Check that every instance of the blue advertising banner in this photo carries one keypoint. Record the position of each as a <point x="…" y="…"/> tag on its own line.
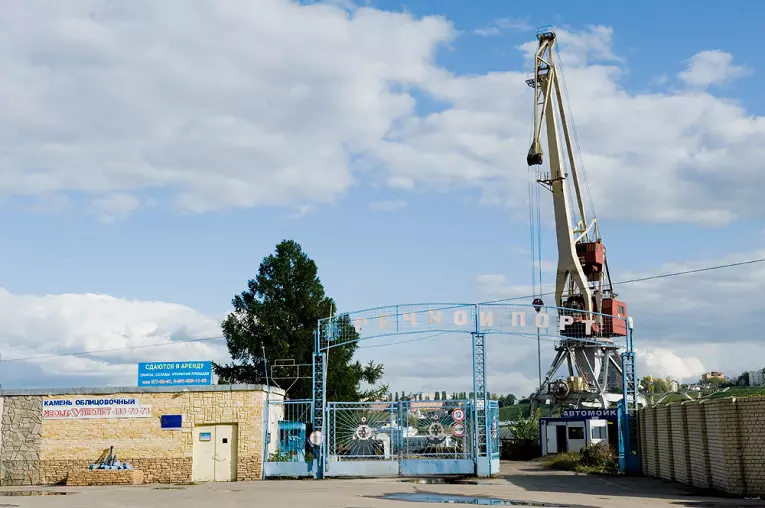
<point x="174" y="373"/>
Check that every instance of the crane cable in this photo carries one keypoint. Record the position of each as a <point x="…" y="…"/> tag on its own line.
<point x="535" y="224"/>
<point x="532" y="202"/>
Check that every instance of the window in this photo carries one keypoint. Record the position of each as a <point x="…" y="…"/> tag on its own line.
<point x="576" y="432"/>
<point x="598" y="433"/>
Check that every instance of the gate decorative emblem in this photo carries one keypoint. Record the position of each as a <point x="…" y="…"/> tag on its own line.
<point x="363" y="432"/>
<point x="436" y="433"/>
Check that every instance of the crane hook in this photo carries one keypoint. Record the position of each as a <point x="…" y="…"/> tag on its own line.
<point x="534" y="157"/>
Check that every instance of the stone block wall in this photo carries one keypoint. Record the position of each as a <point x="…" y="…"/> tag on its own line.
<point x="104" y="477"/>
<point x="724" y="447"/>
<point x="751" y="426"/>
<point x="664" y="442"/>
<point x="698" y="448"/>
<point x="718" y="444"/>
<point x="651" y="450"/>
<point x="678" y="431"/>
<point x="163" y="456"/>
<point x="34" y="450"/>
<point x="20" y="449"/>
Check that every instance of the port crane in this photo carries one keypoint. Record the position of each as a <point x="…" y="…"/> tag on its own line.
<point x="584" y="294"/>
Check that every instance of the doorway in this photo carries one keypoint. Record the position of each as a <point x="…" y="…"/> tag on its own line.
<point x="215" y="453"/>
<point x="561" y="438"/>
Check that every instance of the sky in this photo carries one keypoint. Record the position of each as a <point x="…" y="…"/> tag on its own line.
<point x="152" y="153"/>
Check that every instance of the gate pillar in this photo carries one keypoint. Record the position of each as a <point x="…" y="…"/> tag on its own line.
<point x="318" y="409"/>
<point x="481" y="448"/>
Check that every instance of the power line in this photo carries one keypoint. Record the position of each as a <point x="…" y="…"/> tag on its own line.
<point x="207" y="339"/>
<point x="650" y="277"/>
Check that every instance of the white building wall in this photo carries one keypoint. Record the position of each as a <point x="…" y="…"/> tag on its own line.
<point x="756" y="377"/>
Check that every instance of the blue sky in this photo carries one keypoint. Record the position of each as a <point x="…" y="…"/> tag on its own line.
<point x="119" y="193"/>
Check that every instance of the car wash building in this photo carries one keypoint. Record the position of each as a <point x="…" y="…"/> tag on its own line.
<point x="578" y="428"/>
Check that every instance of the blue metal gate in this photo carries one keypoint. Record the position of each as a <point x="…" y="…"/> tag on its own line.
<point x="494" y="443"/>
<point x="361" y="439"/>
<point x="439" y="438"/>
<point x="399" y="438"/>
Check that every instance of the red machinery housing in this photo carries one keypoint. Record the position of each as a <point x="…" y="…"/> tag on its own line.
<point x="592" y="256"/>
<point x="617" y="309"/>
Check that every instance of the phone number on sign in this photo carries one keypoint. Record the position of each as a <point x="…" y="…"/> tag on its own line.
<point x="100" y="412"/>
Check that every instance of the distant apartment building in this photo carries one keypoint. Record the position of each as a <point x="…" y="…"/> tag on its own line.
<point x="674" y="386"/>
<point x="713" y="376"/>
<point x="757" y="377"/>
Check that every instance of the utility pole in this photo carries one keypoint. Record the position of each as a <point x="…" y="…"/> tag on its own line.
<point x="539" y="356"/>
<point x="537" y="304"/>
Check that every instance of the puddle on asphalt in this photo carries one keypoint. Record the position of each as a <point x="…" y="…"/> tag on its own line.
<point x="170" y="487"/>
<point x="444" y="481"/>
<point x="428" y="497"/>
<point x="34" y="493"/>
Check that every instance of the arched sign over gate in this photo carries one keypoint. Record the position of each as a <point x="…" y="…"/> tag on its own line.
<point x="478" y="417"/>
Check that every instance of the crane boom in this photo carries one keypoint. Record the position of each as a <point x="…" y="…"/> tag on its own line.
<point x="548" y="102"/>
<point x="583" y="288"/>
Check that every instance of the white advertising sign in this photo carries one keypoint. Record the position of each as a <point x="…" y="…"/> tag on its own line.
<point x="76" y="409"/>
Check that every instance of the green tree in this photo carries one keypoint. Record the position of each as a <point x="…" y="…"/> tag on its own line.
<point x="277" y="313"/>
<point x="443" y="395"/>
<point x="396" y="397"/>
<point x="438" y="396"/>
<point x="660" y="386"/>
<point x="648" y="384"/>
<point x="526" y="428"/>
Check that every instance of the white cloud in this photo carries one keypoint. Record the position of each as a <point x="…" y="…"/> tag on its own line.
<point x="507" y="23"/>
<point x="218" y="104"/>
<point x="388" y="206"/>
<point x="113" y="207"/>
<point x="708" y="68"/>
<point x="48" y="325"/>
<point x="679" y="156"/>
<point x="545" y="265"/>
<point x="488" y="31"/>
<point x="578" y="48"/>
<point x="661" y="362"/>
<point x="285" y="104"/>
<point x="430" y="362"/>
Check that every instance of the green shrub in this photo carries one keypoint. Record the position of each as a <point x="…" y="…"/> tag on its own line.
<point x="597" y="458"/>
<point x="564" y="461"/>
<point x="597" y="455"/>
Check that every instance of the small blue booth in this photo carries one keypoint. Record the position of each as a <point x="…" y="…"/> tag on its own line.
<point x="292" y="440"/>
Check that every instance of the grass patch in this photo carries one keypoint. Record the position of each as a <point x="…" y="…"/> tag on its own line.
<point x="738" y="391"/>
<point x="508" y="413"/>
<point x="594" y="459"/>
